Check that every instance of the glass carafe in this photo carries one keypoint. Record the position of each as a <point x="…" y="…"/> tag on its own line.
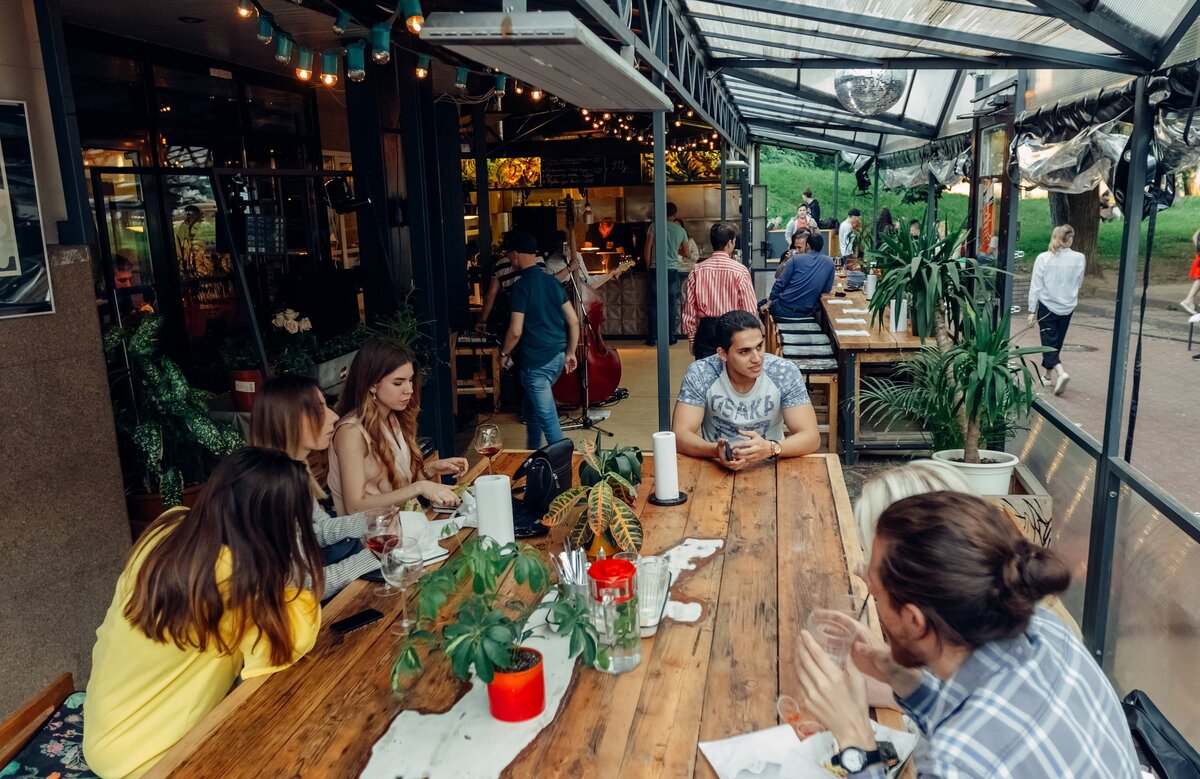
<point x="614" y="607"/>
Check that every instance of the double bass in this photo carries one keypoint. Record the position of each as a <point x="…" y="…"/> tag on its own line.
<point x="599" y="365"/>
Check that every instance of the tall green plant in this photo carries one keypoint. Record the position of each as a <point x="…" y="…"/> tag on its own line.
<point x="976" y="390"/>
<point x="162" y="420"/>
<point x="929" y="273"/>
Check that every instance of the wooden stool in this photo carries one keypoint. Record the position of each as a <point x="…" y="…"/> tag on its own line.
<point x="480" y="384"/>
<point x="829" y="383"/>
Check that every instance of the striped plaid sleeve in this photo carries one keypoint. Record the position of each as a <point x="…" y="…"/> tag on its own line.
<point x="341" y="573"/>
<point x="919" y="704"/>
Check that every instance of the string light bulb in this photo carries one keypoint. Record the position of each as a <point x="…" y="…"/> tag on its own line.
<point x="679" y="123"/>
<point x="607" y="117"/>
<point x="304" y="63"/>
<point x="414" y="18"/>
<point x="381" y="43"/>
<point x="329" y="68"/>
<point x="460" y="78"/>
<point x="266" y="30"/>
<point x="245" y="9"/>
<point x="356" y="68"/>
<point x="536" y="95"/>
<point x="342" y="22"/>
<point x="517" y="88"/>
<point x="583" y="111"/>
<point x="283" y="49"/>
<point x="423" y="66"/>
<point x="501" y="82"/>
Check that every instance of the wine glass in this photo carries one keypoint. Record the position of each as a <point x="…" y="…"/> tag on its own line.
<point x="487" y="442"/>
<point x="381" y="534"/>
<point x="402" y="566"/>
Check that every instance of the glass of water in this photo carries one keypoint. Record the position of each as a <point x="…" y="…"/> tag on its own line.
<point x="402" y="567"/>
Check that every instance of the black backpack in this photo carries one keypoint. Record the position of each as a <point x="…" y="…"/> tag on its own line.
<point x="547" y="474"/>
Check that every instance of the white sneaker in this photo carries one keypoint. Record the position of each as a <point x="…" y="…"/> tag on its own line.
<point x="1194" y="318"/>
<point x="1046" y="380"/>
<point x="1188" y="307"/>
<point x="1061" y="383"/>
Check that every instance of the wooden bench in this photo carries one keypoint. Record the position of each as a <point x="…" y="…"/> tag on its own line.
<point x="17" y="731"/>
<point x="482" y="382"/>
<point x="823" y="384"/>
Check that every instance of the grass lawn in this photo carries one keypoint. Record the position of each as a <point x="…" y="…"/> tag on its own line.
<point x="1173" y="251"/>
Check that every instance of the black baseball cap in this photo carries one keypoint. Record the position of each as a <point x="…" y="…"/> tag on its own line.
<point x="520" y="242"/>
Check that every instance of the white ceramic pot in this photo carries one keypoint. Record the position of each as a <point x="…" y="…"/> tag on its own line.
<point x="985" y="479"/>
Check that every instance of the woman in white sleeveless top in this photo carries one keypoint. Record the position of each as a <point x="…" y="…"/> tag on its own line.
<point x="1053" y="296"/>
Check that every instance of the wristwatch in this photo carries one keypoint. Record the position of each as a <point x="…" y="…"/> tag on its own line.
<point x="776" y="448"/>
<point x="855" y="760"/>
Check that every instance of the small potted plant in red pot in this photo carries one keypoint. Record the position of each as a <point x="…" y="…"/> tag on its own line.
<point x="491" y="636"/>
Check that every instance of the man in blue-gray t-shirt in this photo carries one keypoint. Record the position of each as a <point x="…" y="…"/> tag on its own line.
<point x="755" y="402"/>
<point x="541" y="339"/>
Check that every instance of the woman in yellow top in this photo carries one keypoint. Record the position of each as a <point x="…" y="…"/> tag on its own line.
<point x="208" y="594"/>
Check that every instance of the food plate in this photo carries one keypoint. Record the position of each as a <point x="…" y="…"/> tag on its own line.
<point x="812" y="758"/>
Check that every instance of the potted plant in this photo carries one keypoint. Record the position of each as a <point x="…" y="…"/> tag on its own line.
<point x="927" y="274"/>
<point x="601" y="514"/>
<point x="245" y="373"/>
<point x="625" y="461"/>
<point x="478" y="631"/>
<point x="975" y="391"/>
<point x="290" y="344"/>
<point x="162" y="424"/>
<point x="334" y="357"/>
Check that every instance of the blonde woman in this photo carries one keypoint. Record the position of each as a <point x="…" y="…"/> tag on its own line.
<point x="1053" y="295"/>
<point x="375" y="461"/>
<point x="918" y="478"/>
<point x="290" y="415"/>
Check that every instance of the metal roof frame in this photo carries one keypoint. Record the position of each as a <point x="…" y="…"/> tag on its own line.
<point x="896" y="63"/>
<point x="1101" y="27"/>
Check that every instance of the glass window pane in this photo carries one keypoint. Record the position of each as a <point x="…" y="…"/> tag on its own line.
<point x="129" y="246"/>
<point x="185" y="99"/>
<point x="105" y="85"/>
<point x="1154" y="626"/>
<point x="273" y="110"/>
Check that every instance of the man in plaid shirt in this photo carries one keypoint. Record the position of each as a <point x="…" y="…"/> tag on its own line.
<point x="998" y="686"/>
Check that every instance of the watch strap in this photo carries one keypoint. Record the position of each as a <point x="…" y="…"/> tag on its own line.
<point x="870" y="758"/>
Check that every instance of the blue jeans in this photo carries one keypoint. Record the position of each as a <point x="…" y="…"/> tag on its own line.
<point x="541" y="412"/>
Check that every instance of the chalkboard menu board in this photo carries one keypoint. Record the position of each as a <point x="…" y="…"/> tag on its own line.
<point x="590" y="171"/>
<point x="264" y="234"/>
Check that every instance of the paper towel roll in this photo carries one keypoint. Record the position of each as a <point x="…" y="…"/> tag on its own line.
<point x="666" y="466"/>
<point x="493" y="496"/>
<point x="869" y="285"/>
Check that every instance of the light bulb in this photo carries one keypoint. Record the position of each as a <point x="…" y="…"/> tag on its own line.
<point x="414" y="18"/>
<point x="583" y="111"/>
<point x="266" y="30"/>
<point x="520" y="90"/>
<point x="536" y="95"/>
<point x="460" y="78"/>
<point x="679" y="123"/>
<point x="329" y="68"/>
<point x="691" y="113"/>
<point x="245" y="9"/>
<point x="356" y="69"/>
<point x="283" y="50"/>
<point x="304" y="63"/>
<point x="381" y="43"/>
<point x="342" y="22"/>
<point x="501" y="80"/>
<point x="422" y="66"/>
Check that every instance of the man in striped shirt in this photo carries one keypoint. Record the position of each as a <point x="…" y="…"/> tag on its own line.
<point x="715" y="287"/>
<point x="998" y="685"/>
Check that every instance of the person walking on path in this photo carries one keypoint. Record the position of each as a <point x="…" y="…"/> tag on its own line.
<point x="717" y="286"/>
<point x="1053" y="296"/>
<point x="1189" y="303"/>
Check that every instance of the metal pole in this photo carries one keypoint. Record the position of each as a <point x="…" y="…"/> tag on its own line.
<point x="1010" y="222"/>
<point x="747" y="238"/>
<point x="931" y="206"/>
<point x="875" y="195"/>
<point x="1097" y="588"/>
<point x="837" y="160"/>
<point x="479" y="142"/>
<point x="661" y="302"/>
<point x="724" y="179"/>
<point x="240" y="273"/>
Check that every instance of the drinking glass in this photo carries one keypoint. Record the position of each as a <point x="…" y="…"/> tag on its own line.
<point x="834" y="632"/>
<point x="653" y="583"/>
<point x="487" y="442"/>
<point x="381" y="534"/>
<point x="402" y="567"/>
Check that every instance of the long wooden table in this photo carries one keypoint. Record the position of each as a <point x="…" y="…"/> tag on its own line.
<point x="790" y="543"/>
<point x="880" y="345"/>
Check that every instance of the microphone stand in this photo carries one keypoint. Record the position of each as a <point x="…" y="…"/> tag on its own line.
<point x="585" y="421"/>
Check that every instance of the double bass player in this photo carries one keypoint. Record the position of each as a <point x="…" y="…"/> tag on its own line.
<point x="541" y="339"/>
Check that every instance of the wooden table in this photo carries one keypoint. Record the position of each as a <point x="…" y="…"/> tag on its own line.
<point x="880" y="345"/>
<point x="790" y="541"/>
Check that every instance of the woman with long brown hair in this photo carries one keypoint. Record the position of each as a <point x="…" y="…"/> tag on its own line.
<point x="209" y="594"/>
<point x="290" y="415"/>
<point x="375" y="461"/>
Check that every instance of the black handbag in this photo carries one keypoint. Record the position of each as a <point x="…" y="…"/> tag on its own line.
<point x="1158" y="743"/>
<point x="547" y="474"/>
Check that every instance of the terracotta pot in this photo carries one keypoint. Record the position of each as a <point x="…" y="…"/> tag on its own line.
<point x="245" y="385"/>
<point x="602" y="542"/>
<point x="520" y="696"/>
<point x="146" y="507"/>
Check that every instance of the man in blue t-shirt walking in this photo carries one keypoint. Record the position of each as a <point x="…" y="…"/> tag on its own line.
<point x="541" y="339"/>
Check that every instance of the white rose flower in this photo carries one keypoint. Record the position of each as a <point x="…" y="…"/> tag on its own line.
<point x="278" y="320"/>
<point x="305" y="325"/>
<point x="291" y="326"/>
<point x="291" y="314"/>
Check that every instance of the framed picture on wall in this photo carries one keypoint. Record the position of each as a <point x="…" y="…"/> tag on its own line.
<point x="24" y="271"/>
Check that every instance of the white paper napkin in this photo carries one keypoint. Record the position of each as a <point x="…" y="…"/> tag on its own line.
<point x="862" y="333"/>
<point x="757" y="755"/>
<point x="839" y="302"/>
<point x="857" y="311"/>
<point x="806" y="759"/>
<point x="850" y="321"/>
<point x="427" y="532"/>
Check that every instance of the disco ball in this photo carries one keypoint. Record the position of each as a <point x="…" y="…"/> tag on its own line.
<point x="869" y="91"/>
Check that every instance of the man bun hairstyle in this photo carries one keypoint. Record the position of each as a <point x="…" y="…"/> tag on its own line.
<point x="721" y="234"/>
<point x="964" y="564"/>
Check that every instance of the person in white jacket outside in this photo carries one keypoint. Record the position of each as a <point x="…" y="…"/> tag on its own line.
<point x="1053" y="296"/>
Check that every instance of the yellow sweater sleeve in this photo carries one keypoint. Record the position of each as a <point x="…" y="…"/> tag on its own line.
<point x="304" y="618"/>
